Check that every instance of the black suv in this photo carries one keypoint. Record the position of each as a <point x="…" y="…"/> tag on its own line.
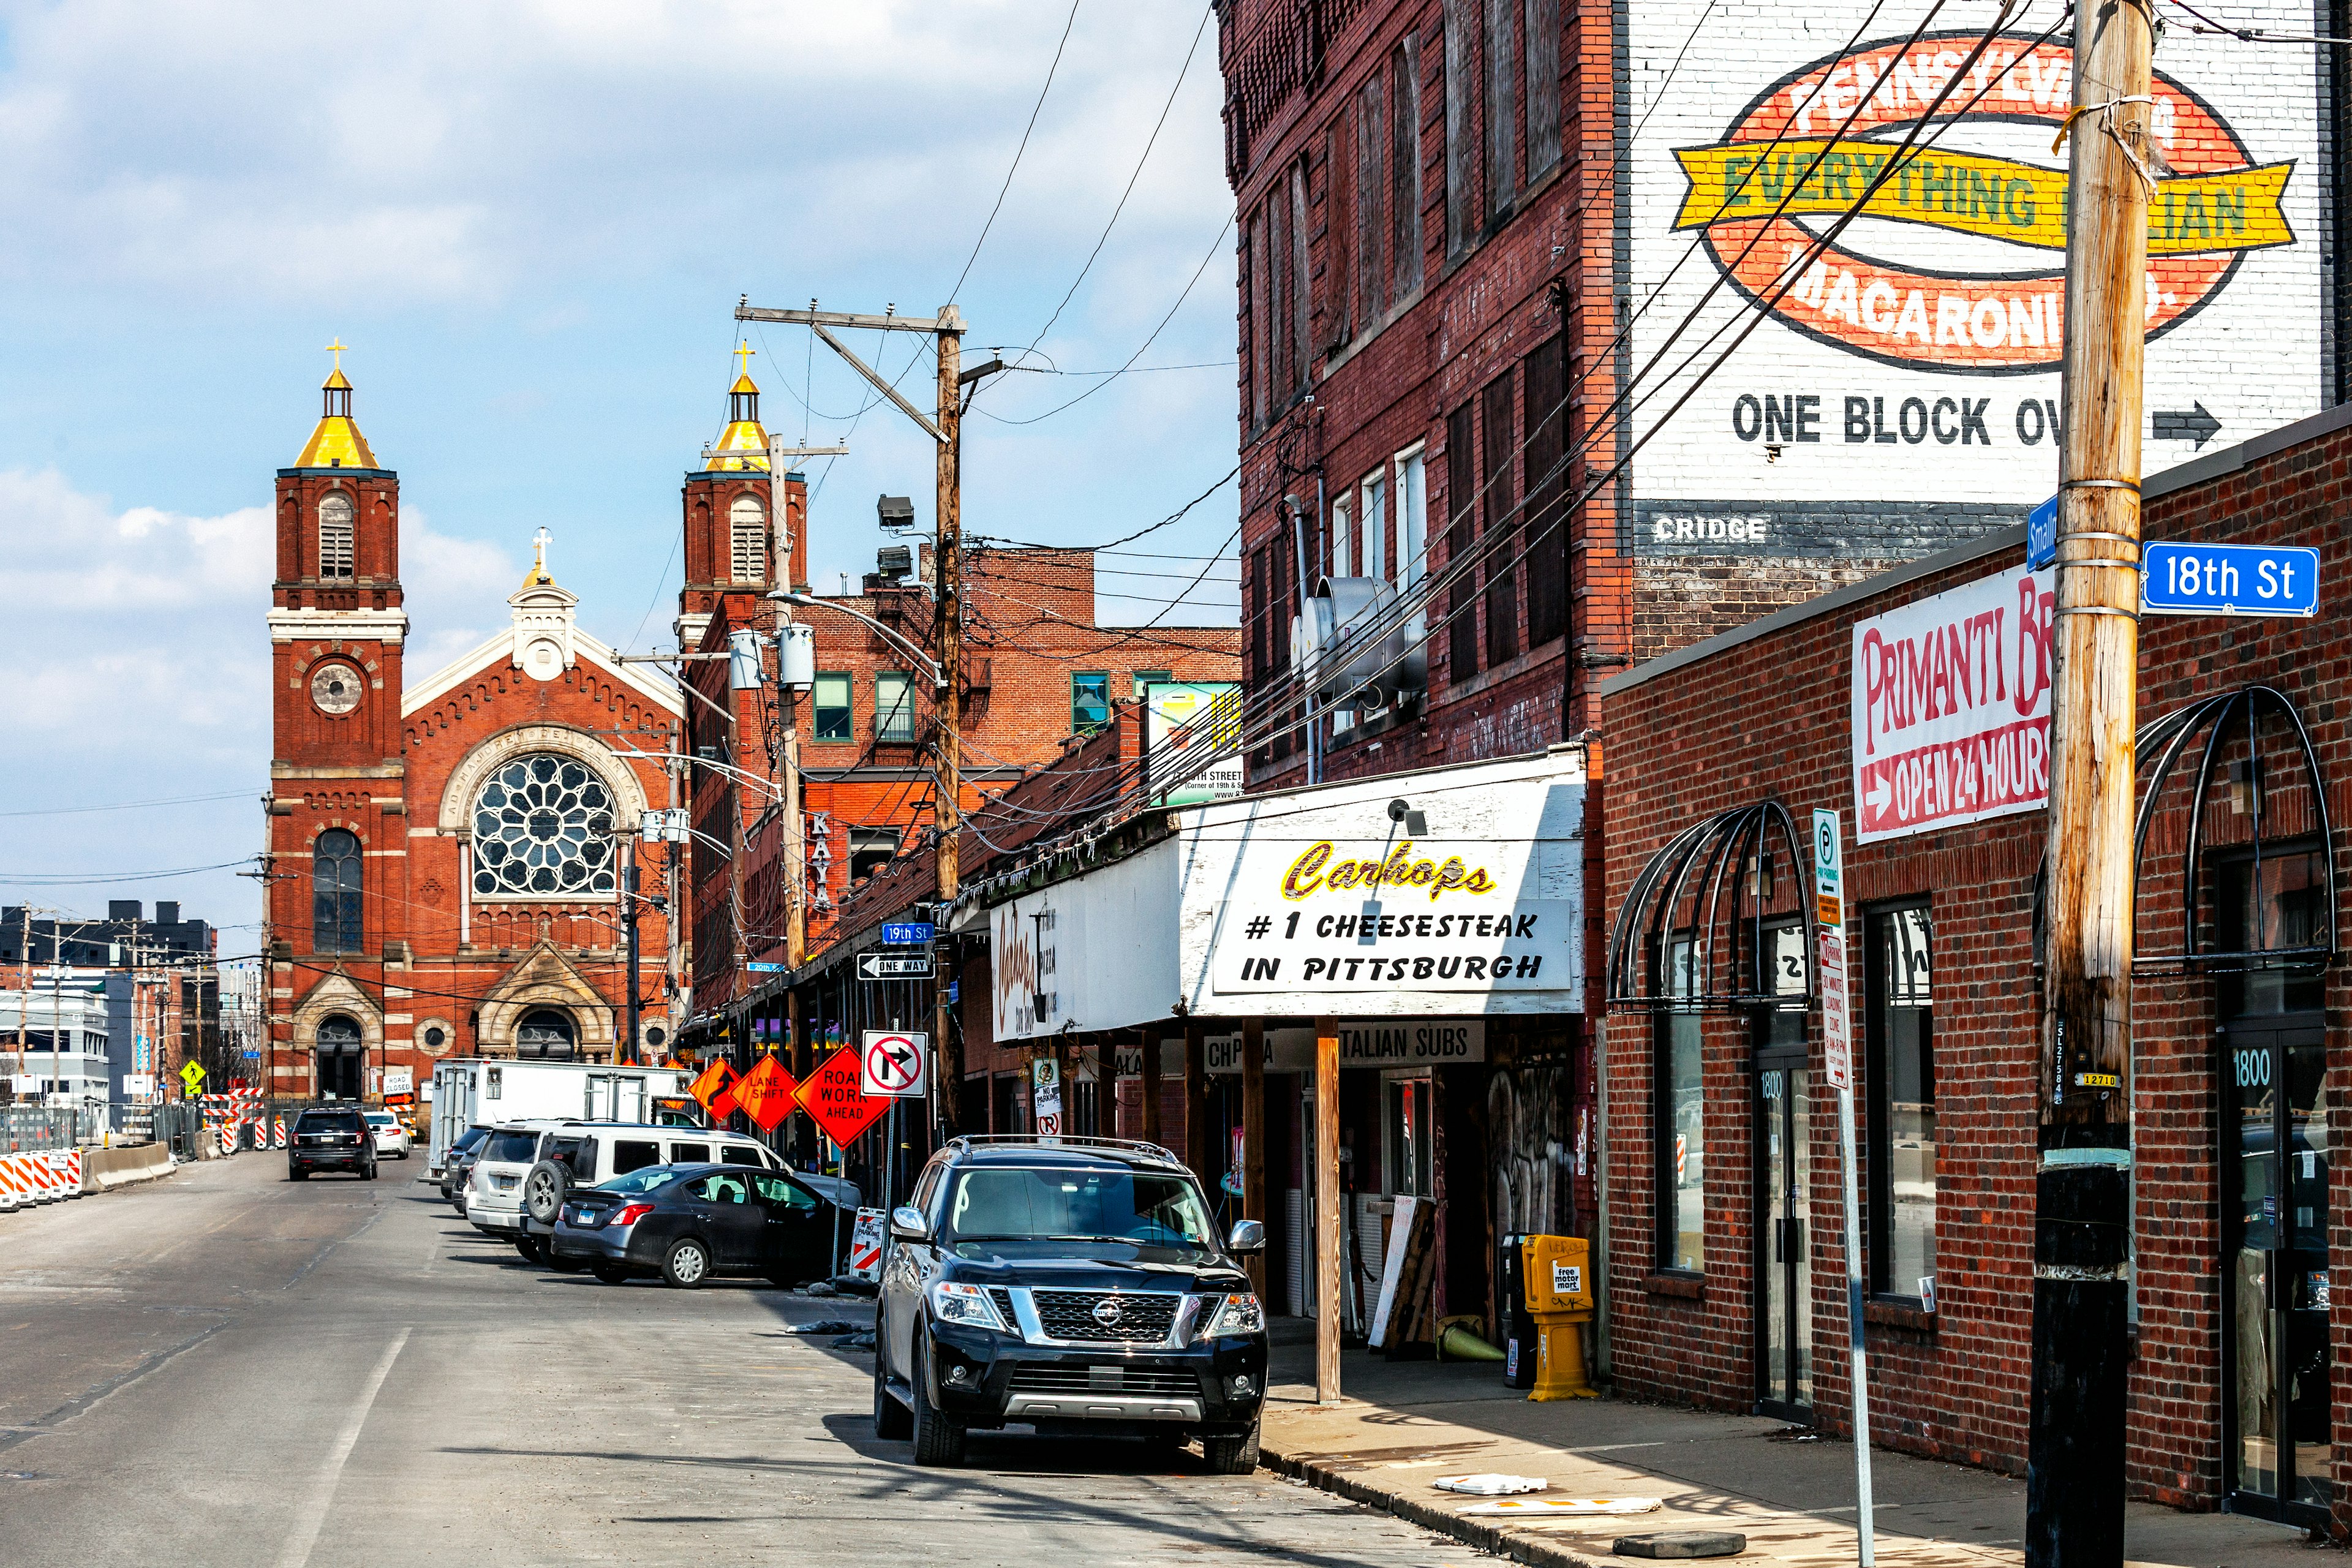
<point x="1076" y="1286"/>
<point x="330" y="1137"/>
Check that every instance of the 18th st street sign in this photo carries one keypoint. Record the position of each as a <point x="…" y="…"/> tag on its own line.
<point x="2230" y="580"/>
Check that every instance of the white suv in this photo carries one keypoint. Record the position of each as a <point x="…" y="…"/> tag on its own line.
<point x="527" y="1168"/>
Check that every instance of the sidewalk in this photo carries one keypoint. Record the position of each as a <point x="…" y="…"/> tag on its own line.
<point x="1406" y="1423"/>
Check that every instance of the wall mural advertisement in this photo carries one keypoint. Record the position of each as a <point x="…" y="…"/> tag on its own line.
<point x="1904" y="393"/>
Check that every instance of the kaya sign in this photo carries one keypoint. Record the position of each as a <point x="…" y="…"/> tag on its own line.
<point x="1902" y="392"/>
<point x="1951" y="707"/>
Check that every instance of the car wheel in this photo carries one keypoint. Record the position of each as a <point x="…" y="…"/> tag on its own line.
<point x="1232" y="1456"/>
<point x="687" y="1264"/>
<point x="529" y="1248"/>
<point x="892" y="1421"/>
<point x="937" y="1440"/>
<point x="545" y="1188"/>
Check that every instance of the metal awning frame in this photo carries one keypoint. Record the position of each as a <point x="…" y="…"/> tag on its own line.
<point x="1702" y="859"/>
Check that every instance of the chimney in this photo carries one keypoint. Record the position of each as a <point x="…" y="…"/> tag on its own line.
<point x="167" y="914"/>
<point x="122" y="908"/>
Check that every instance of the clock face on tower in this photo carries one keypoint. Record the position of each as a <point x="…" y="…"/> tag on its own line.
<point x="335" y="688"/>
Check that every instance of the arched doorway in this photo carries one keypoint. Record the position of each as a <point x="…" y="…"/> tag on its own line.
<point x="545" y="1035"/>
<point x="342" y="1058"/>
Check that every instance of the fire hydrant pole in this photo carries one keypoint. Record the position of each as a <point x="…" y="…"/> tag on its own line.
<point x="2082" y="1222"/>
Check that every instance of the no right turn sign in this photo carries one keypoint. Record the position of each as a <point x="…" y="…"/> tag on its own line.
<point x="894" y="1065"/>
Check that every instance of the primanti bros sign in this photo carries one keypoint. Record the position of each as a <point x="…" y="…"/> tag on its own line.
<point x="1951" y="707"/>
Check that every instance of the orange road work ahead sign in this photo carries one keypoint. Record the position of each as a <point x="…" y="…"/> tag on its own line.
<point x="713" y="1087"/>
<point x="834" y="1100"/>
<point x="765" y="1094"/>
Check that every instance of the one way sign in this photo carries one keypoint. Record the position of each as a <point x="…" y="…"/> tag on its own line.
<point x="892" y="1064"/>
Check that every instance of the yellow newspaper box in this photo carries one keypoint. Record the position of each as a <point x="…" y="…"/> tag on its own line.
<point x="1559" y="1275"/>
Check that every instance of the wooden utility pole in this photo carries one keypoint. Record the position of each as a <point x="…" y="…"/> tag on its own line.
<point x="1329" y="1314"/>
<point x="2083" y="1222"/>
<point x="948" y="604"/>
<point x="947" y="330"/>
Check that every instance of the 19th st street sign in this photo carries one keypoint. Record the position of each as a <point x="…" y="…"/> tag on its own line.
<point x="2230" y="580"/>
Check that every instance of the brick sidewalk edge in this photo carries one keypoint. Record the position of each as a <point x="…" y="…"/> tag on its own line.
<point x="1477" y="1532"/>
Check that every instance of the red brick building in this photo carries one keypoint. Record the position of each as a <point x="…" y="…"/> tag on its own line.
<point x="1725" y="1267"/>
<point x="1037" y="671"/>
<point x="443" y="854"/>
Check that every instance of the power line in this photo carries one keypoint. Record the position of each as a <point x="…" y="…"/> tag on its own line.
<point x="1153" y="141"/>
<point x="1017" y="152"/>
<point x="133" y="805"/>
<point x="76" y="879"/>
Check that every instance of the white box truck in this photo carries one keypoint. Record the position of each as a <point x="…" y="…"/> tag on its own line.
<point x="470" y="1091"/>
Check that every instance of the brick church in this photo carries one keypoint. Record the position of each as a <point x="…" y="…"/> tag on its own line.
<point x="446" y="853"/>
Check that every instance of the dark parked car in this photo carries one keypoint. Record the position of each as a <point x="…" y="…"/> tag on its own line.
<point x="458" y="1163"/>
<point x="330" y="1137"/>
<point x="1077" y="1287"/>
<point x="687" y="1223"/>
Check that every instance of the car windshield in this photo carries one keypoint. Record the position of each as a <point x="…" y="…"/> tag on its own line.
<point x="328" y="1122"/>
<point x="516" y="1148"/>
<point x="1046" y="1210"/>
<point x="474" y="1135"/>
<point x="641" y="1181"/>
<point x="381" y="1117"/>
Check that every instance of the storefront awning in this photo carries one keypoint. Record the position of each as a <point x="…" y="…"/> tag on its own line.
<point x="1717" y="920"/>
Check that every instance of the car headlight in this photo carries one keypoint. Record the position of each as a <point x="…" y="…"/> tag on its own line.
<point x="1240" y="1314"/>
<point x="954" y="1303"/>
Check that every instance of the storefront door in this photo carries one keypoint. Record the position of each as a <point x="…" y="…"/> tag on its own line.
<point x="1784" y="1319"/>
<point x="2275" y="1291"/>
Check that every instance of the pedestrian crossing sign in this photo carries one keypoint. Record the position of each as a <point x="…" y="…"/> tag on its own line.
<point x="193" y="1076"/>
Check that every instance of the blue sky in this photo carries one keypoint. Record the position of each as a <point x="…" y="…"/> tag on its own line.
<point x="531" y="222"/>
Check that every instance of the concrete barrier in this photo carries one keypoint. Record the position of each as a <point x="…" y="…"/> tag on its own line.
<point x="103" y="1170"/>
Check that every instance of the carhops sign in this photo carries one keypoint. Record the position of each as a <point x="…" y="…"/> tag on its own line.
<point x="1904" y="390"/>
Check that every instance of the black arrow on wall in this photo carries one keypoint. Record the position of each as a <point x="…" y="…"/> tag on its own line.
<point x="2194" y="426"/>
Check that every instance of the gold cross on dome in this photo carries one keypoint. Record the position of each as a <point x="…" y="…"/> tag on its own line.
<point x="337" y="348"/>
<point x="744" y="359"/>
<point x="539" y="552"/>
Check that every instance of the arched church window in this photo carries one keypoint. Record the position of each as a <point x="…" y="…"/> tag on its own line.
<point x="336" y="880"/>
<point x="545" y="1036"/>
<point x="747" y="530"/>
<point x="335" y="537"/>
<point x="543" y="826"/>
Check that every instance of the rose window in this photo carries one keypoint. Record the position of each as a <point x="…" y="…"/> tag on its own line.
<point x="543" y="826"/>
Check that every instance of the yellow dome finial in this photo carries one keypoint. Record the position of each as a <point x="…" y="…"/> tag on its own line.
<point x="537" y="576"/>
<point x="743" y="444"/>
<point x="337" y="442"/>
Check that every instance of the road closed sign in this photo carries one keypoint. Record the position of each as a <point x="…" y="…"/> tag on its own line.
<point x="894" y="1065"/>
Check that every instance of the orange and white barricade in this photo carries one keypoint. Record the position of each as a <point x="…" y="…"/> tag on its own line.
<point x="278" y="1134"/>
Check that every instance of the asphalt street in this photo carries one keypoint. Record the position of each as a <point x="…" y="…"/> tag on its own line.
<point x="227" y="1368"/>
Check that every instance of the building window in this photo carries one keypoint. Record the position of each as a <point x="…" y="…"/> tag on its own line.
<point x="1542" y="88"/>
<point x="870" y="849"/>
<point x="1461" y="507"/>
<point x="1342" y="538"/>
<point x="1546" y="490"/>
<point x="832" y="703"/>
<point x="1499" y="541"/>
<point x="543" y="826"/>
<point x="1256" y="329"/>
<point x="335" y="547"/>
<point x="1404" y="167"/>
<point x="336" y="874"/>
<point x="1412" y="516"/>
<point x="1500" y="110"/>
<point x="894" y="707"/>
<point x="1144" y="678"/>
<point x="1371" y="150"/>
<point x="747" y="540"/>
<point x="1372" y="522"/>
<point x="1682" y="1144"/>
<point x="1301" y="349"/>
<point x="1900" y="1074"/>
<point x="1089" y="701"/>
<point x="1461" y="120"/>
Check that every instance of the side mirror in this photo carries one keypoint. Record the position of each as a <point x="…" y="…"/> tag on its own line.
<point x="907" y="1224"/>
<point x="1249" y="1235"/>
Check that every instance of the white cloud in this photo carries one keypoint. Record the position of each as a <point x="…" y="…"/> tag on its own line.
<point x="138" y="668"/>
